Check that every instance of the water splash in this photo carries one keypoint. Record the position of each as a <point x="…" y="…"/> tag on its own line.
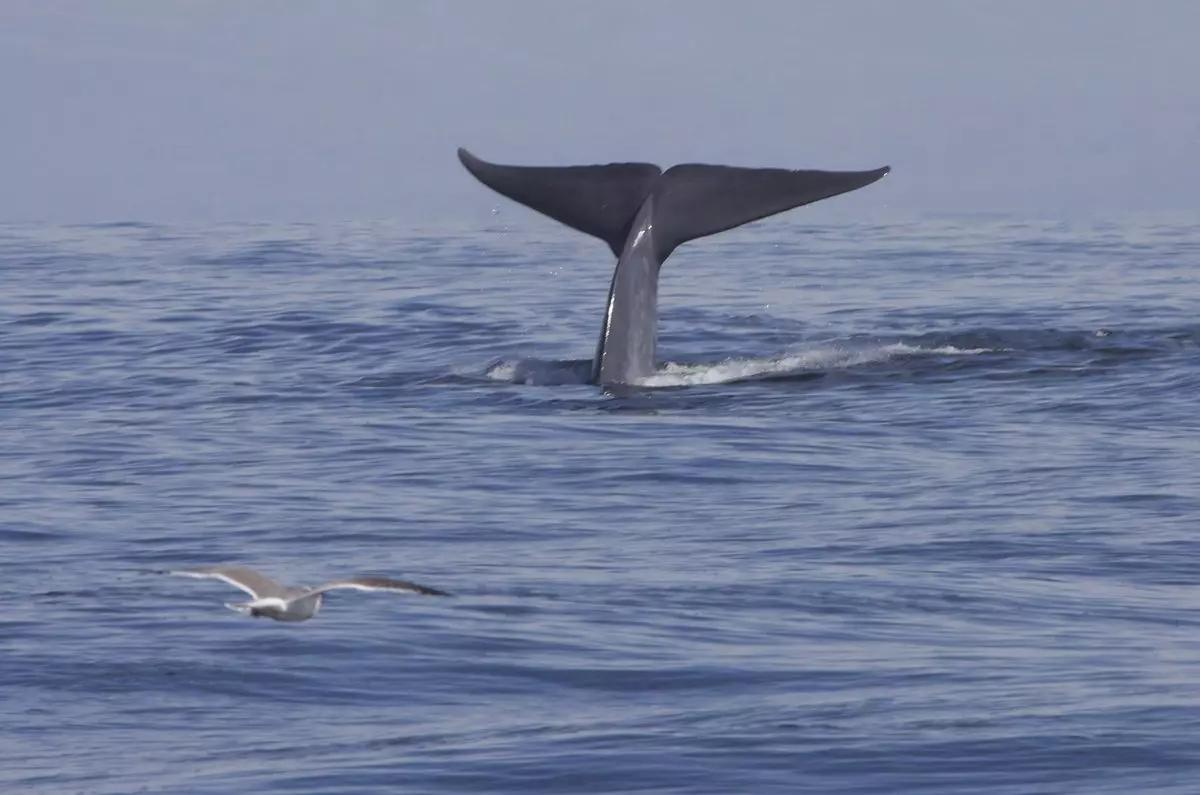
<point x="834" y="357"/>
<point x="541" y="372"/>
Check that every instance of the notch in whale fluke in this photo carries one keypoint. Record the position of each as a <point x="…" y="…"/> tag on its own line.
<point x="692" y="200"/>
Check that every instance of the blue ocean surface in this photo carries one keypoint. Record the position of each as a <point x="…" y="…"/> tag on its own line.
<point x="909" y="507"/>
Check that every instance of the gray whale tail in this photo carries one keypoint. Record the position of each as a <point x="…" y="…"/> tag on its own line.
<point x="644" y="213"/>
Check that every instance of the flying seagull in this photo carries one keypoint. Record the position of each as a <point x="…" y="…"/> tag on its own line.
<point x="285" y="603"/>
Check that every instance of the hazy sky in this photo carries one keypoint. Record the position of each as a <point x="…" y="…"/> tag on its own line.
<point x="351" y="109"/>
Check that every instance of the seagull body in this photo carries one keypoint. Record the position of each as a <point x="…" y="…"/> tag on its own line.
<point x="269" y="599"/>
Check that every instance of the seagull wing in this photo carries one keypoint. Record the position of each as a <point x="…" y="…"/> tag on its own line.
<point x="248" y="580"/>
<point x="379" y="584"/>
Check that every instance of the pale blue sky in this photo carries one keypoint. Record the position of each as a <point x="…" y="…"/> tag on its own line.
<point x="291" y="110"/>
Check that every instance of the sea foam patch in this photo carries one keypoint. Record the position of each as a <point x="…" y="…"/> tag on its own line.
<point x="814" y="360"/>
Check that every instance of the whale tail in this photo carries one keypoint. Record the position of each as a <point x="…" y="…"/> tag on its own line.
<point x="643" y="214"/>
<point x="691" y="200"/>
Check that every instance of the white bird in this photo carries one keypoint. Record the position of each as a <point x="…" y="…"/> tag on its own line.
<point x="286" y="603"/>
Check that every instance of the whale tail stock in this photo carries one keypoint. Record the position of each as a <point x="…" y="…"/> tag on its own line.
<point x="690" y="201"/>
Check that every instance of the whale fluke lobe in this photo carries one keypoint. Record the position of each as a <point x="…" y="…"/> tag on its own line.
<point x="597" y="200"/>
<point x="644" y="214"/>
<point x="695" y="200"/>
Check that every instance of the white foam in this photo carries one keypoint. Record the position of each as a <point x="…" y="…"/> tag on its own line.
<point x="539" y="372"/>
<point x="504" y="371"/>
<point x="829" y="358"/>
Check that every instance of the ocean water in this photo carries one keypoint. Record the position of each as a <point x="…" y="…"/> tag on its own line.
<point x="909" y="507"/>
